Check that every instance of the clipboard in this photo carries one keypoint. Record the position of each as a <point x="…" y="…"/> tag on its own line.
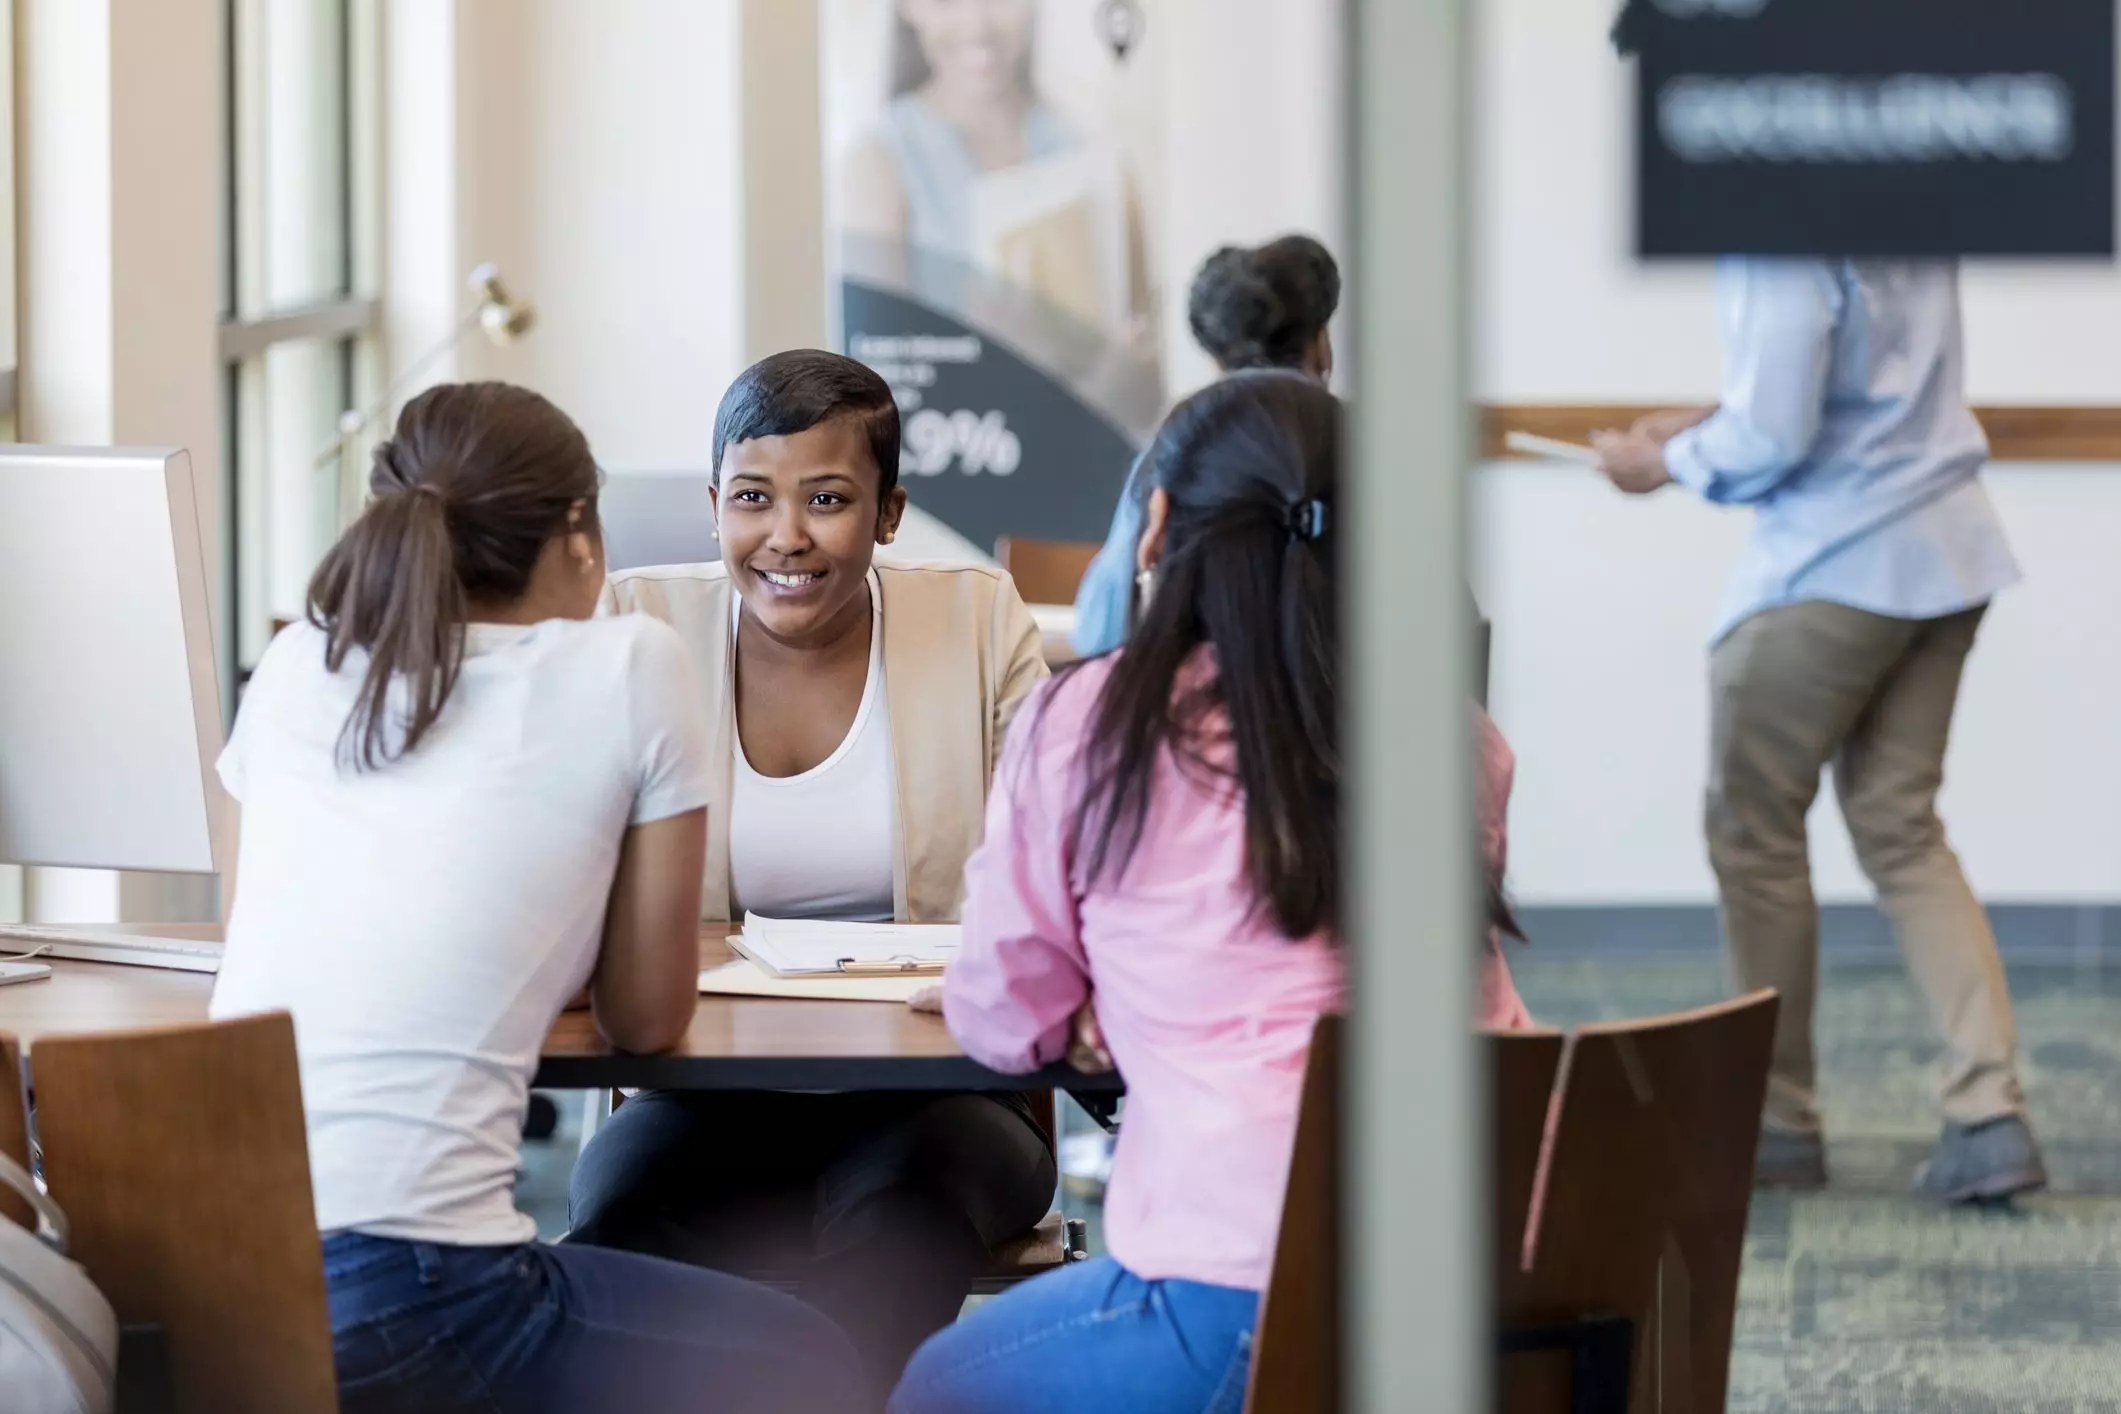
<point x="797" y="950"/>
<point x="840" y="967"/>
<point x="743" y="978"/>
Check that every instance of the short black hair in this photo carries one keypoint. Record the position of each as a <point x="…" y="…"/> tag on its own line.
<point x="1264" y="307"/>
<point x="792" y="392"/>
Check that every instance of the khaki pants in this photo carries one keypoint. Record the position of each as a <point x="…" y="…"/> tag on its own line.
<point x="1792" y="691"/>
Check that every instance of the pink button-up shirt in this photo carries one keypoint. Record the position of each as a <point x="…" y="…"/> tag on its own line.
<point x="1206" y="1007"/>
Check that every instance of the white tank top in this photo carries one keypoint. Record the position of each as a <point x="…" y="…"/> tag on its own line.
<point x="819" y="845"/>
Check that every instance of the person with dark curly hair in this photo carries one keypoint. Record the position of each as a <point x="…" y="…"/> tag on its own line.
<point x="1258" y="307"/>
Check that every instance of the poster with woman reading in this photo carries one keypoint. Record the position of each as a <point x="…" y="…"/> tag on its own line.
<point x="988" y="160"/>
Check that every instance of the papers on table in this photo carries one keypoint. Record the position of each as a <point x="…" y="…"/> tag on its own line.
<point x="801" y="949"/>
<point x="1054" y="620"/>
<point x="745" y="978"/>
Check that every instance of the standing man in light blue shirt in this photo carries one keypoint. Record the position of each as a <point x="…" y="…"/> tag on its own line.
<point x="1875" y="551"/>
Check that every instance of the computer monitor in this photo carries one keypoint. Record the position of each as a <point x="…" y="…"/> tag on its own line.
<point x="110" y="704"/>
<point x="657" y="518"/>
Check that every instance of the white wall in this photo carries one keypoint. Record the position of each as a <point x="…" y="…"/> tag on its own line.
<point x="599" y="162"/>
<point x="1253" y="115"/>
<point x="422" y="280"/>
<point x="1603" y="606"/>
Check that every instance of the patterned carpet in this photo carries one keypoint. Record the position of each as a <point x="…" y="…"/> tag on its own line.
<point x="1862" y="1300"/>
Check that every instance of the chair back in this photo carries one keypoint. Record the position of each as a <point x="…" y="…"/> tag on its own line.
<point x="1045" y="571"/>
<point x="1295" y="1347"/>
<point x="1641" y="1202"/>
<point x="180" y="1159"/>
<point x="1522" y="1067"/>
<point x="14" y="1128"/>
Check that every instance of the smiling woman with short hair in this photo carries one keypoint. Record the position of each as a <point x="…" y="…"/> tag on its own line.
<point x="855" y="714"/>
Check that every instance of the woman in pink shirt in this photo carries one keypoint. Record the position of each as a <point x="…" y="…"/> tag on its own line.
<point x="1162" y="855"/>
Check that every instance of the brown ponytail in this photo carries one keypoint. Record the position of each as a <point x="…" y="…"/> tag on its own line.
<point x="473" y="482"/>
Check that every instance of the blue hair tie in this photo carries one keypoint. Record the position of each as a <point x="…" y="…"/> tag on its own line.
<point x="1306" y="520"/>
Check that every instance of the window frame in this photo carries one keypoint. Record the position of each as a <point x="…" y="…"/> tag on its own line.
<point x="351" y="319"/>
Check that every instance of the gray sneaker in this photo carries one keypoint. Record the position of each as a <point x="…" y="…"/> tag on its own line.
<point x="1789" y="1161"/>
<point x="1983" y="1163"/>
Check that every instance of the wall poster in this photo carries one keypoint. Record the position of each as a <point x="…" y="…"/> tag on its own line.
<point x="987" y="162"/>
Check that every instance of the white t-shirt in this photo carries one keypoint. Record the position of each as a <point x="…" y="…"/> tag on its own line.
<point x="819" y="845"/>
<point x="425" y="922"/>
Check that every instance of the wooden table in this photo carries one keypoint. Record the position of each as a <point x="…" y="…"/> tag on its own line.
<point x="736" y="1043"/>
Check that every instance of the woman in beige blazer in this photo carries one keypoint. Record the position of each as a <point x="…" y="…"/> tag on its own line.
<point x="960" y="651"/>
<point x="857" y="710"/>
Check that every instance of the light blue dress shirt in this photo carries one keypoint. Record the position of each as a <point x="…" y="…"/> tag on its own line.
<point x="1105" y="598"/>
<point x="1844" y="424"/>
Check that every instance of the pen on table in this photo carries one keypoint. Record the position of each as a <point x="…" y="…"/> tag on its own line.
<point x="907" y="967"/>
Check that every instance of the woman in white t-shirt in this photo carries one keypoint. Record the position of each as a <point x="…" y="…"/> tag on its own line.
<point x="464" y="800"/>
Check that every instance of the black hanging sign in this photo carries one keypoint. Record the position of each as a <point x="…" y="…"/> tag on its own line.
<point x="1874" y="127"/>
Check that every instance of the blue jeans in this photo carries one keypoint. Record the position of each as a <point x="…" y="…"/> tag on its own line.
<point x="1094" y="1336"/>
<point x="421" y="1327"/>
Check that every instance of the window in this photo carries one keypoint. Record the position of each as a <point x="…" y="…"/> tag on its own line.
<point x="299" y="309"/>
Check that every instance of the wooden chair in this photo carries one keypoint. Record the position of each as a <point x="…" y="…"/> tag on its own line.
<point x="1045" y="571"/>
<point x="1622" y="1171"/>
<point x="1522" y="1067"/>
<point x="180" y="1159"/>
<point x="1296" y="1346"/>
<point x="1637" y="1221"/>
<point x="14" y="1128"/>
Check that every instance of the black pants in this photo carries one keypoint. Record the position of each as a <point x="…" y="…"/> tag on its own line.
<point x="880" y="1208"/>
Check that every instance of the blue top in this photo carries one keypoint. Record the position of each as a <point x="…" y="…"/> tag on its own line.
<point x="1105" y="598"/>
<point x="939" y="173"/>
<point x="1844" y="423"/>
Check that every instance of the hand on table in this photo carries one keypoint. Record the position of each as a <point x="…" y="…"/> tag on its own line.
<point x="1633" y="462"/>
<point x="1086" y="1040"/>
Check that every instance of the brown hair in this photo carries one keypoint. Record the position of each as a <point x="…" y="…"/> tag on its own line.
<point x="1502" y="918"/>
<point x="468" y="489"/>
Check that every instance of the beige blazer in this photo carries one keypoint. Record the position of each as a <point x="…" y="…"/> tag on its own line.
<point x="960" y="654"/>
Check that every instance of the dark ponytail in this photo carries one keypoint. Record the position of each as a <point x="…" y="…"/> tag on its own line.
<point x="1249" y="465"/>
<point x="1502" y="919"/>
<point x="473" y="482"/>
<point x="1264" y="307"/>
